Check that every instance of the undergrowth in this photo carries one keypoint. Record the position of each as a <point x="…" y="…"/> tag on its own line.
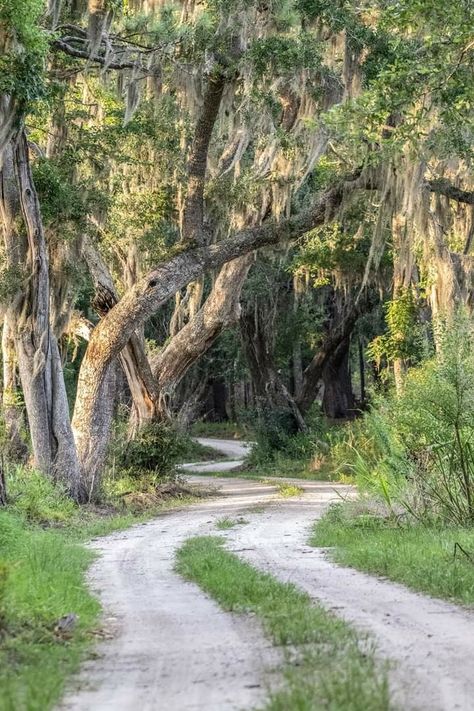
<point x="42" y="578"/>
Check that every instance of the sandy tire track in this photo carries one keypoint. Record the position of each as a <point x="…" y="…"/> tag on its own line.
<point x="175" y="650"/>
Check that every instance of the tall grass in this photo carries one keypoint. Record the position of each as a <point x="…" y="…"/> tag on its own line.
<point x="42" y="579"/>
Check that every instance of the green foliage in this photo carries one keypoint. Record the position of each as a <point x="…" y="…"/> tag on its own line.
<point x="154" y="450"/>
<point x="11" y="279"/>
<point x="404" y="338"/>
<point x="273" y="428"/>
<point x="284" y="55"/>
<point x="37" y="498"/>
<point x="61" y="201"/>
<point x="416" y="448"/>
<point x="274" y="434"/>
<point x="22" y="59"/>
<point x="42" y="578"/>
<point x="337" y="248"/>
<point x="330" y="671"/>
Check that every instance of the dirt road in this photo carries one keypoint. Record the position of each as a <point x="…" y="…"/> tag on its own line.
<point x="175" y="650"/>
<point x="234" y="450"/>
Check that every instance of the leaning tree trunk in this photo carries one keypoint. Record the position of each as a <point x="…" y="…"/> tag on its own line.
<point x="220" y="310"/>
<point x="39" y="361"/>
<point x="133" y="358"/>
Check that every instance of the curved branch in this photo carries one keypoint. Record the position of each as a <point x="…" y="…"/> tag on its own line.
<point x="114" y="331"/>
<point x="83" y="54"/>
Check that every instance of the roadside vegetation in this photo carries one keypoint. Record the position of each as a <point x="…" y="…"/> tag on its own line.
<point x="42" y="581"/>
<point x="438" y="560"/>
<point x="412" y="458"/>
<point x="327" y="665"/>
<point x="48" y="617"/>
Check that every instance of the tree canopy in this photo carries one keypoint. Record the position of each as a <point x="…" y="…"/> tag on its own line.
<point x="220" y="205"/>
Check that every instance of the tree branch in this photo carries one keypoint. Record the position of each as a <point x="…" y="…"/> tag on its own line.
<point x="441" y="186"/>
<point x="193" y="213"/>
<point x="148" y="294"/>
<point x="98" y="59"/>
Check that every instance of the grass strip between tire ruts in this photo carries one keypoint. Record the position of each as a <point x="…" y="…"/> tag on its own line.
<point x="327" y="664"/>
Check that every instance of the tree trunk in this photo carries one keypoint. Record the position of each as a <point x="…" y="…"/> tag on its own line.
<point x="16" y="448"/>
<point x="338" y="398"/>
<point x="315" y="370"/>
<point x="133" y="358"/>
<point x="38" y="355"/>
<point x="220" y="310"/>
<point x="3" y="486"/>
<point x="219" y="397"/>
<point x="270" y="392"/>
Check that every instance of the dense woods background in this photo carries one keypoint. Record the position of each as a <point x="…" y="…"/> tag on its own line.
<point x="243" y="210"/>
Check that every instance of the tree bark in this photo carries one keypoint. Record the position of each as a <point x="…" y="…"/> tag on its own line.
<point x="3" y="486"/>
<point x="314" y="372"/>
<point x="193" y="212"/>
<point x="133" y="358"/>
<point x="12" y="410"/>
<point x="38" y="355"/>
<point x="220" y="310"/>
<point x="338" y="399"/>
<point x="270" y="392"/>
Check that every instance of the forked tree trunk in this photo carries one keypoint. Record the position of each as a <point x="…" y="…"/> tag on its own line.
<point x="220" y="310"/>
<point x="39" y="362"/>
<point x="114" y="331"/>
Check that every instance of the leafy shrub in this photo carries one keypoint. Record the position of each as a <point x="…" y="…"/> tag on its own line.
<point x="155" y="450"/>
<point x="274" y="435"/>
<point x="371" y="453"/>
<point x="418" y="448"/>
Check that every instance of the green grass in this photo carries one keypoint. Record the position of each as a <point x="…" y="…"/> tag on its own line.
<point x="224" y="524"/>
<point x="327" y="665"/>
<point x="291" y="468"/>
<point x="42" y="579"/>
<point x="282" y="467"/>
<point x="420" y="557"/>
<point x="289" y="490"/>
<point x="43" y="564"/>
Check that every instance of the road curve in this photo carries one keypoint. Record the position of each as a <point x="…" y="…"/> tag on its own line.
<point x="173" y="649"/>
<point x="234" y="450"/>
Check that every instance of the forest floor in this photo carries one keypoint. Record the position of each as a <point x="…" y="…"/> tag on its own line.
<point x="169" y="646"/>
